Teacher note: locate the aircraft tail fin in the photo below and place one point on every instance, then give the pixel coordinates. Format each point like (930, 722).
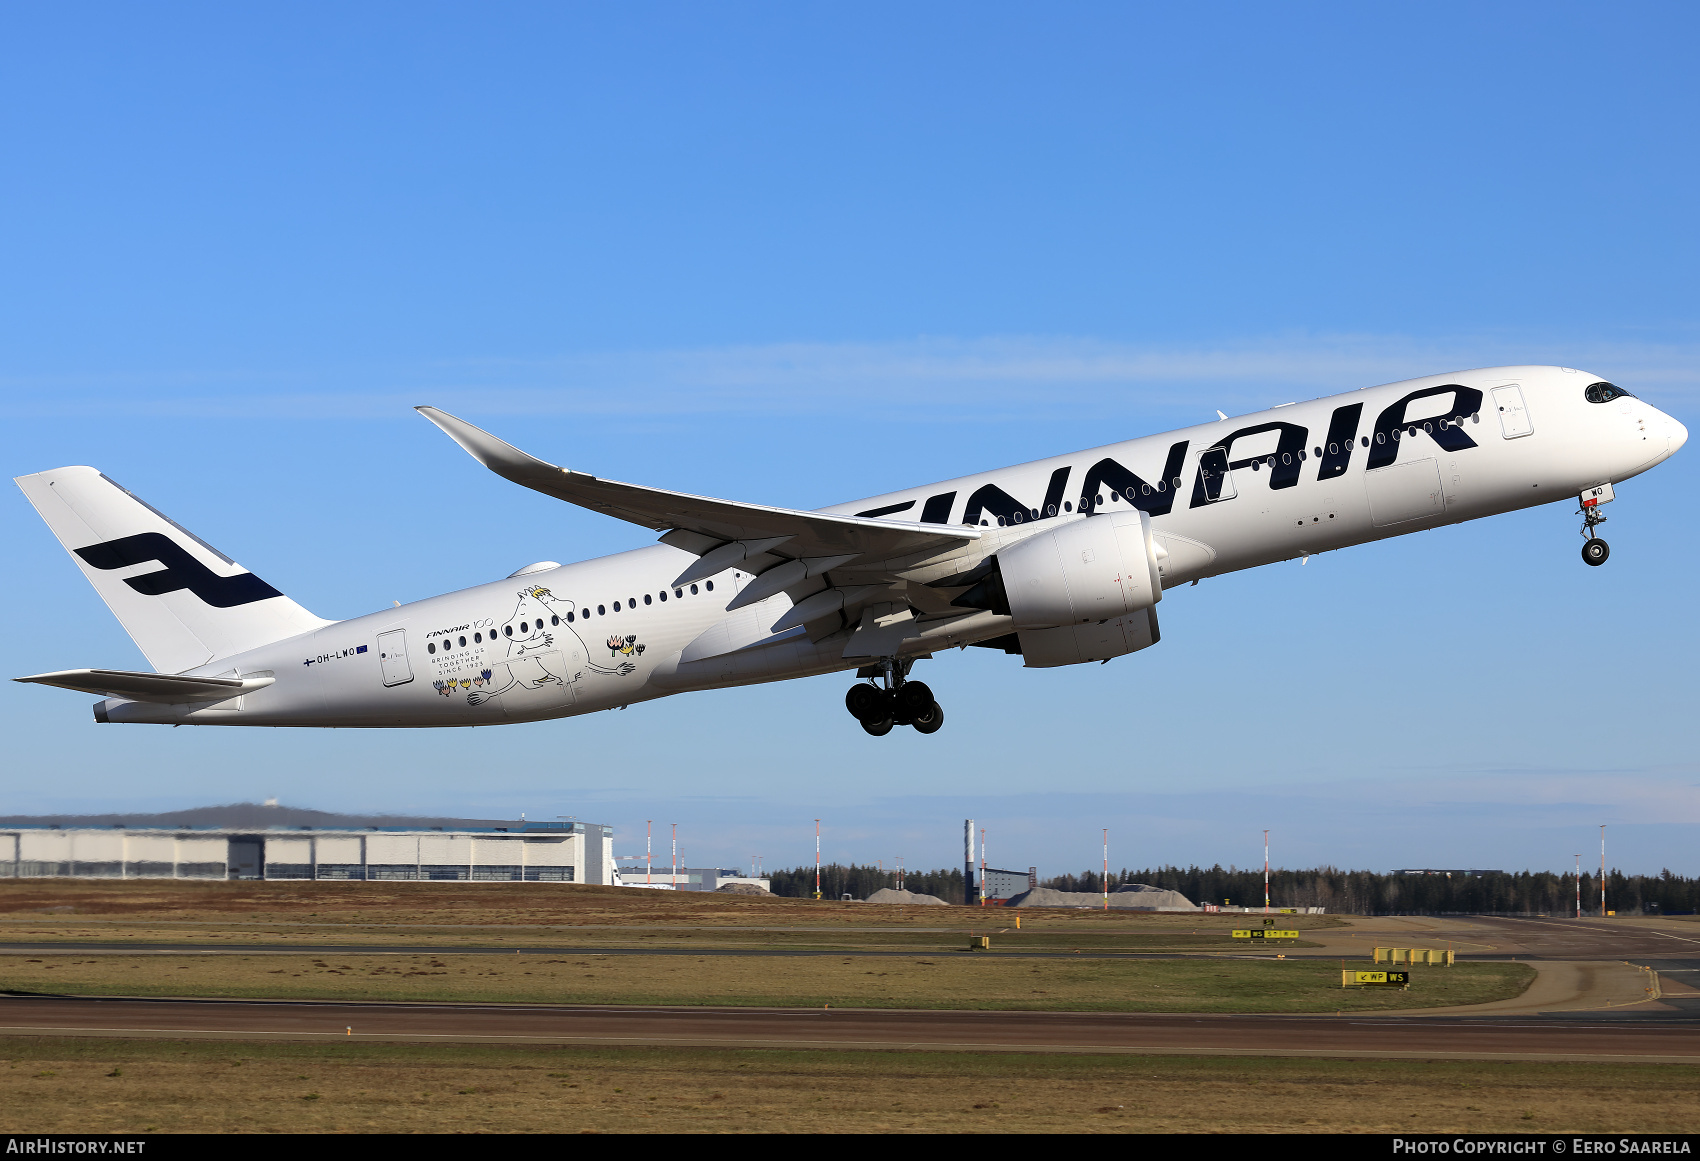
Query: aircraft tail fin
(181, 600)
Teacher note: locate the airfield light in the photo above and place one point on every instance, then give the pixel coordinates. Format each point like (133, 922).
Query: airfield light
(1602, 870)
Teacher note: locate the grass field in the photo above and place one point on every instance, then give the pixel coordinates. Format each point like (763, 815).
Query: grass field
(1063, 984)
(104, 1086)
(521, 913)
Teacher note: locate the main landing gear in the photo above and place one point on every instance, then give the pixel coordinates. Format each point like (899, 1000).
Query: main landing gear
(901, 703)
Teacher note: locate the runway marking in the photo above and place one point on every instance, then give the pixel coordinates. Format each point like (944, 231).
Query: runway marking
(1575, 925)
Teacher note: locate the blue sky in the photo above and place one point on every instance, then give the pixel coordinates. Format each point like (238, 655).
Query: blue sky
(797, 254)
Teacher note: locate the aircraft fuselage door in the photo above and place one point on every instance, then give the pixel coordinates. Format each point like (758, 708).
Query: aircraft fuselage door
(392, 657)
(1514, 418)
(1213, 471)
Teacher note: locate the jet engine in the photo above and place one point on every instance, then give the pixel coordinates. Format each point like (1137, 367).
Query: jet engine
(1082, 592)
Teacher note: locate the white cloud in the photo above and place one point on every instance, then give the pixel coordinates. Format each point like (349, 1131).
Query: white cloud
(934, 379)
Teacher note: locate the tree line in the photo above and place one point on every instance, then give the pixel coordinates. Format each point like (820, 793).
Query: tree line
(1356, 892)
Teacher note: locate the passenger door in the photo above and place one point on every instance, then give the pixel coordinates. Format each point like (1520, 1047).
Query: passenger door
(392, 657)
(1514, 420)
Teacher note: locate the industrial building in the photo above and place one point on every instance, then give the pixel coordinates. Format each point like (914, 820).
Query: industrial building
(688, 878)
(270, 842)
(1002, 884)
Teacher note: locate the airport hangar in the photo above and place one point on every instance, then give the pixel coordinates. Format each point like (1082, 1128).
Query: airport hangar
(270, 842)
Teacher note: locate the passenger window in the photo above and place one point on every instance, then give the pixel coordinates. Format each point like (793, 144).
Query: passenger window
(710, 585)
(463, 642)
(631, 602)
(569, 615)
(616, 606)
(601, 610)
(1318, 451)
(663, 595)
(430, 648)
(679, 593)
(477, 638)
(507, 630)
(1067, 507)
(693, 590)
(646, 599)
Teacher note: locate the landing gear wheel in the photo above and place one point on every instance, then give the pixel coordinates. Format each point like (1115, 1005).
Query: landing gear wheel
(913, 698)
(879, 727)
(1596, 551)
(929, 721)
(865, 701)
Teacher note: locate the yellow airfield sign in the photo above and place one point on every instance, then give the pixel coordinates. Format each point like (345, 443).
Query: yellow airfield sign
(1356, 979)
(1265, 933)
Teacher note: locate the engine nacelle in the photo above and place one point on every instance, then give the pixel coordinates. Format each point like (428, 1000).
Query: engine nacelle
(1086, 572)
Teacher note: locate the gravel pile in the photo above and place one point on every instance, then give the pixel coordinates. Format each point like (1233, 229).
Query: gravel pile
(739, 889)
(887, 895)
(1129, 896)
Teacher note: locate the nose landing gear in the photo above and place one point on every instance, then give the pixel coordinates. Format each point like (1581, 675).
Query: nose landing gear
(900, 703)
(1594, 550)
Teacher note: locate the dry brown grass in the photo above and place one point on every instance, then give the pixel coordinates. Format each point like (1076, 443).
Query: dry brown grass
(982, 982)
(92, 1086)
(43, 906)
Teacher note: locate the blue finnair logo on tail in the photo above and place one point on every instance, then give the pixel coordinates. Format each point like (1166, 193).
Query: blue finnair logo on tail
(181, 571)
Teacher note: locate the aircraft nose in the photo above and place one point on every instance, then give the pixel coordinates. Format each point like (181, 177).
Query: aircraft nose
(1678, 434)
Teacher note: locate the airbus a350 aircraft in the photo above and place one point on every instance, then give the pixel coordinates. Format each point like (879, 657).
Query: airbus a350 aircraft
(1061, 561)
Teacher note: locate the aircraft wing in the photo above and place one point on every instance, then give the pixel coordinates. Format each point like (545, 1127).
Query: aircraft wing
(722, 533)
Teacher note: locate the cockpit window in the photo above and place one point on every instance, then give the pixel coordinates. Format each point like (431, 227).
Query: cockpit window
(1605, 393)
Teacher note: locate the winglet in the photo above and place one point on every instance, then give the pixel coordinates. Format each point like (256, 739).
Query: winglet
(500, 457)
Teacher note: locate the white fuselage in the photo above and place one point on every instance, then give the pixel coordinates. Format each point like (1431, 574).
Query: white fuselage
(509, 651)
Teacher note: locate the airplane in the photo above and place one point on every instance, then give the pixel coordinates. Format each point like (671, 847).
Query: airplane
(1062, 561)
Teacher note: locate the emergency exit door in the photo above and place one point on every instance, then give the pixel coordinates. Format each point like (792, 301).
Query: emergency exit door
(1213, 473)
(392, 657)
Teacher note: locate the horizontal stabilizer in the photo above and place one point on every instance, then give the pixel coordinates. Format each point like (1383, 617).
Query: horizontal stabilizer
(164, 689)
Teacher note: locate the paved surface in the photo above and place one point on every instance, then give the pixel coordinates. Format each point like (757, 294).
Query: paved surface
(1590, 1002)
(1391, 1036)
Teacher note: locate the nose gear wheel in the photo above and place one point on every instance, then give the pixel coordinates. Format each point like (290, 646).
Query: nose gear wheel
(1594, 550)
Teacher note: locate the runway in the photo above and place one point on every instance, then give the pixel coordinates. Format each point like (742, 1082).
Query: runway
(1389, 1036)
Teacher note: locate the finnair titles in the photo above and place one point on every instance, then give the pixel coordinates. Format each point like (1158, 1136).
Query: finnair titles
(1061, 562)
